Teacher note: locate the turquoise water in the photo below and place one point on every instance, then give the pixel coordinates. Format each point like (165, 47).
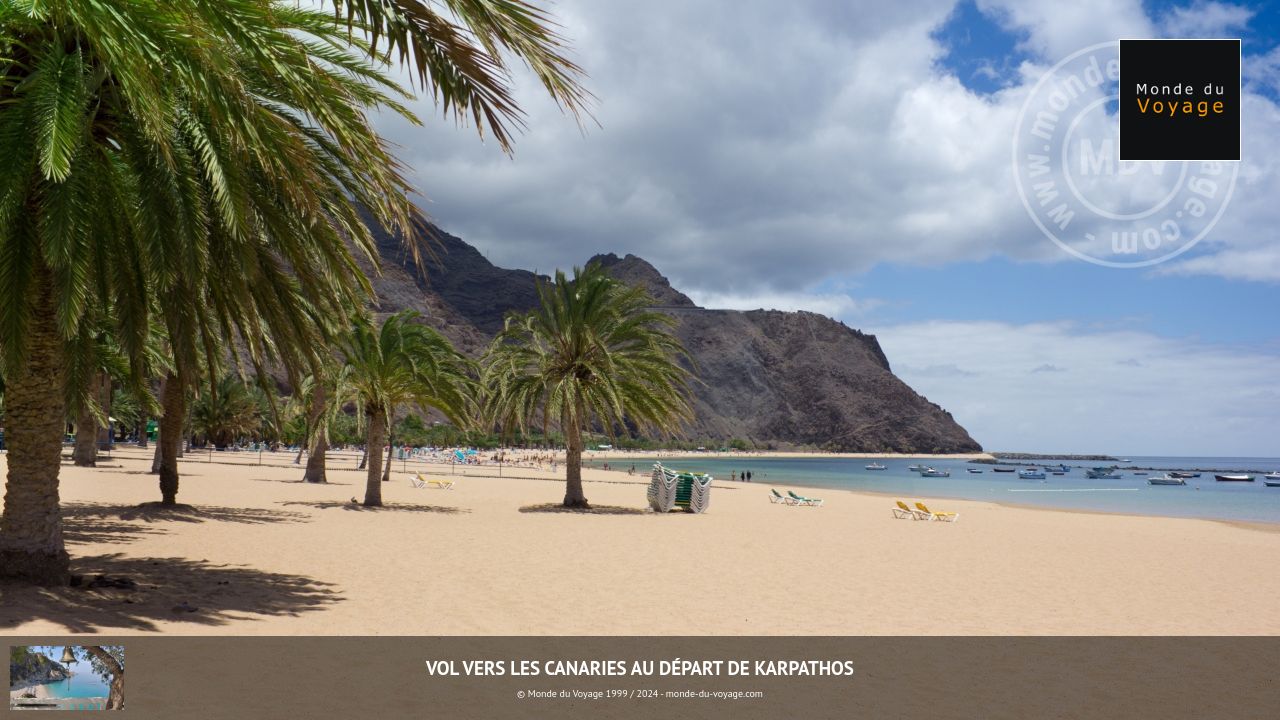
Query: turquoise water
(1200, 498)
(83, 683)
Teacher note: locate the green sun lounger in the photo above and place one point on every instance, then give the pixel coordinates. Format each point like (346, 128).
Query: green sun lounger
(802, 500)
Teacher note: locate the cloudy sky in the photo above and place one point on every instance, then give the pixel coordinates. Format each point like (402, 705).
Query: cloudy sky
(854, 159)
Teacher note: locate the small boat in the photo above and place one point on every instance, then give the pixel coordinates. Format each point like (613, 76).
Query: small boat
(1102, 473)
(1271, 483)
(1140, 473)
(1057, 469)
(1184, 475)
(1059, 473)
(930, 472)
(1031, 474)
(1165, 480)
(915, 468)
(875, 466)
(975, 471)
(1002, 469)
(1233, 478)
(1272, 476)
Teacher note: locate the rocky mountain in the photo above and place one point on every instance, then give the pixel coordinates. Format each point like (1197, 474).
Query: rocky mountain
(776, 379)
(28, 668)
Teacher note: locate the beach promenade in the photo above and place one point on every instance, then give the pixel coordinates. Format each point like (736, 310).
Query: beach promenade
(259, 553)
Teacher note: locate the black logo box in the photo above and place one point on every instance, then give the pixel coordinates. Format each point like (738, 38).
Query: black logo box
(1161, 73)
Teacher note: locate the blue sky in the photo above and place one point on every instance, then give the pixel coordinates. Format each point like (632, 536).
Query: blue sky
(853, 159)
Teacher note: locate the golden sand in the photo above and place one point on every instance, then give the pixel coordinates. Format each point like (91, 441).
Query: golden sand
(260, 553)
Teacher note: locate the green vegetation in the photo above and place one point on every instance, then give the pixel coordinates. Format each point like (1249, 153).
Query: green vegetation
(193, 180)
(591, 354)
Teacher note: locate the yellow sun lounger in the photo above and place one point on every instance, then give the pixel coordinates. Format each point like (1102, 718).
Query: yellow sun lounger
(904, 511)
(928, 514)
(423, 482)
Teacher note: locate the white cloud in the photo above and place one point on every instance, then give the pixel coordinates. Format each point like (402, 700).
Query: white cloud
(837, 305)
(1206, 20)
(780, 144)
(1113, 391)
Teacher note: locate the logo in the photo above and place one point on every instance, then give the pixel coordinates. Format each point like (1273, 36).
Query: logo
(1110, 212)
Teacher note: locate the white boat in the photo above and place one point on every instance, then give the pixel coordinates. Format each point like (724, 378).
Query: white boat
(875, 466)
(915, 468)
(1165, 480)
(1101, 473)
(975, 471)
(1233, 478)
(1272, 476)
(1031, 474)
(930, 472)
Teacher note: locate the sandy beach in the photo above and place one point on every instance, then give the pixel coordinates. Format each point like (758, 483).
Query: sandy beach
(259, 553)
(39, 691)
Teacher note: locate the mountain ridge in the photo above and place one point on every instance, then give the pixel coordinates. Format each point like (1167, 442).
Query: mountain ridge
(777, 379)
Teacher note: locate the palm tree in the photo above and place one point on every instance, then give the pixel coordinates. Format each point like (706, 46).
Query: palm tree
(201, 166)
(592, 353)
(227, 412)
(320, 399)
(402, 362)
(454, 49)
(177, 162)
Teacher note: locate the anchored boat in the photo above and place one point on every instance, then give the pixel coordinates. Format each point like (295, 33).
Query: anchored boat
(1233, 478)
(1102, 473)
(1165, 480)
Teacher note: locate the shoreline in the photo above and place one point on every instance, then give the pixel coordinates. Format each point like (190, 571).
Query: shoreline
(41, 691)
(780, 454)
(496, 556)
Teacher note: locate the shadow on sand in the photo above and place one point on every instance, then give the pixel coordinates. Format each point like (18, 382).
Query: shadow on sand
(181, 590)
(154, 512)
(593, 510)
(389, 507)
(86, 523)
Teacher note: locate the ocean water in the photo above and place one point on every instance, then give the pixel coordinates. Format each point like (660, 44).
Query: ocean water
(83, 683)
(1201, 497)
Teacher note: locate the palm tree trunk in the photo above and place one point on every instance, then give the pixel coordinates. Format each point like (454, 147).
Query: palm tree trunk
(373, 441)
(155, 457)
(86, 450)
(173, 401)
(573, 495)
(391, 444)
(142, 430)
(319, 440)
(315, 461)
(31, 544)
(104, 439)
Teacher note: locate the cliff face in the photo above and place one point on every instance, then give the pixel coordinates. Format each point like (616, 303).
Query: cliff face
(781, 379)
(29, 668)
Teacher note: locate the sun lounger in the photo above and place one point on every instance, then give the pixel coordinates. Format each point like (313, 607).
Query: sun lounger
(904, 511)
(802, 500)
(418, 482)
(423, 482)
(777, 497)
(930, 515)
